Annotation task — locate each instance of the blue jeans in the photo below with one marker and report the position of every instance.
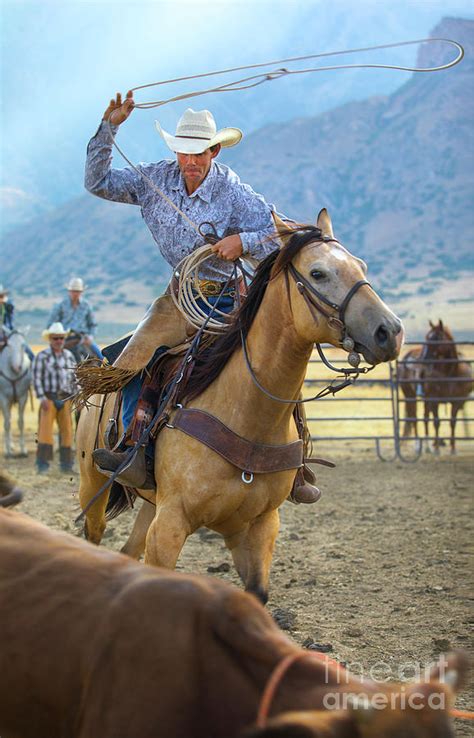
(131, 391)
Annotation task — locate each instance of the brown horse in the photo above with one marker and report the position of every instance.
(195, 485)
(438, 374)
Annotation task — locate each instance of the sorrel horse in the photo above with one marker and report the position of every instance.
(15, 379)
(195, 485)
(437, 372)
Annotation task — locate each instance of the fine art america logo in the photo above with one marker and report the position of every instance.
(382, 672)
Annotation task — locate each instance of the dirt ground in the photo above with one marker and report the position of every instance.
(377, 573)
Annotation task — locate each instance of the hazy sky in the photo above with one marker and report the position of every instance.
(62, 60)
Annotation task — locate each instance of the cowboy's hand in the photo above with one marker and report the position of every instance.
(229, 248)
(119, 111)
(86, 340)
(45, 404)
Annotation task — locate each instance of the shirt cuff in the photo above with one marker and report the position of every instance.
(252, 242)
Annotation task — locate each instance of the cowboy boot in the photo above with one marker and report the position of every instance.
(44, 454)
(137, 471)
(65, 459)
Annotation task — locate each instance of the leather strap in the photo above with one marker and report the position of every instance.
(258, 458)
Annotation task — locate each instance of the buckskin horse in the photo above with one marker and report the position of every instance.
(312, 290)
(438, 369)
(15, 379)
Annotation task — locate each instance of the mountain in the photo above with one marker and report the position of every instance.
(396, 173)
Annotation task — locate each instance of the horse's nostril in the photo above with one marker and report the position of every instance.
(381, 335)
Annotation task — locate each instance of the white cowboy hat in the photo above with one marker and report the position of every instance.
(197, 131)
(55, 329)
(76, 284)
(3, 290)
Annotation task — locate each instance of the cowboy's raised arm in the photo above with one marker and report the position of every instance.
(120, 185)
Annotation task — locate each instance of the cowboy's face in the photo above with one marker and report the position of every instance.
(3, 297)
(56, 343)
(195, 167)
(75, 295)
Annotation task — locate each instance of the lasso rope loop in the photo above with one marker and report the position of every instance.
(252, 81)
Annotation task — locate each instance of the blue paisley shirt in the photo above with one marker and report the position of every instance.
(222, 199)
(80, 319)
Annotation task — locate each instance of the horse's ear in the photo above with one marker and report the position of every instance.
(431, 324)
(441, 326)
(324, 223)
(284, 230)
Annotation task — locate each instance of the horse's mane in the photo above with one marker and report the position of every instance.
(210, 361)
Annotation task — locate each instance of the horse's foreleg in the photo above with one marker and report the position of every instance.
(135, 545)
(410, 418)
(166, 535)
(21, 425)
(454, 411)
(426, 419)
(436, 422)
(252, 552)
(6, 410)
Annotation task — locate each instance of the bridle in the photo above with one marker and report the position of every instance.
(313, 299)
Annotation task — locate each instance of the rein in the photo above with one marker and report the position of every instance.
(276, 677)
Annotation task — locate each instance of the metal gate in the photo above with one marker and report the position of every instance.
(372, 409)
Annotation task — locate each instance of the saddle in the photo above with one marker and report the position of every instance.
(248, 456)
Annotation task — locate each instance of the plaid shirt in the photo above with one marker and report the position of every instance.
(54, 373)
(222, 199)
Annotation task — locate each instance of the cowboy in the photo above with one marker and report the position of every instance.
(204, 192)
(54, 383)
(7, 310)
(77, 316)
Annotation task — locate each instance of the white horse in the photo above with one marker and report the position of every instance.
(15, 380)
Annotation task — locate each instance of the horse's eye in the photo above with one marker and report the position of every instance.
(317, 275)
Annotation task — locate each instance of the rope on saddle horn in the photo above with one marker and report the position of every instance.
(189, 293)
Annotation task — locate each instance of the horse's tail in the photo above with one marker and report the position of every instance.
(120, 499)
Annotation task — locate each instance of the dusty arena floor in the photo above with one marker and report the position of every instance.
(378, 573)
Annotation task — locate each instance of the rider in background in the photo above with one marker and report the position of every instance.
(7, 310)
(77, 317)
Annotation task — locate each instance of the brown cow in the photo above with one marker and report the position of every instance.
(95, 645)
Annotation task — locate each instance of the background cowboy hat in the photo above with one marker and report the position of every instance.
(76, 284)
(55, 329)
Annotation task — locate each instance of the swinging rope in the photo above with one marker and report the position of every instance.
(254, 80)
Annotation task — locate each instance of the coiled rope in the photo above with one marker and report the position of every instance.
(188, 294)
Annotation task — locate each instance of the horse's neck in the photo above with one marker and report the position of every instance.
(279, 360)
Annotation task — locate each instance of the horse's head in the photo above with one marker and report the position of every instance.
(15, 356)
(439, 343)
(332, 300)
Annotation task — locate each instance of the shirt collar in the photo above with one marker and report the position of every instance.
(205, 190)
